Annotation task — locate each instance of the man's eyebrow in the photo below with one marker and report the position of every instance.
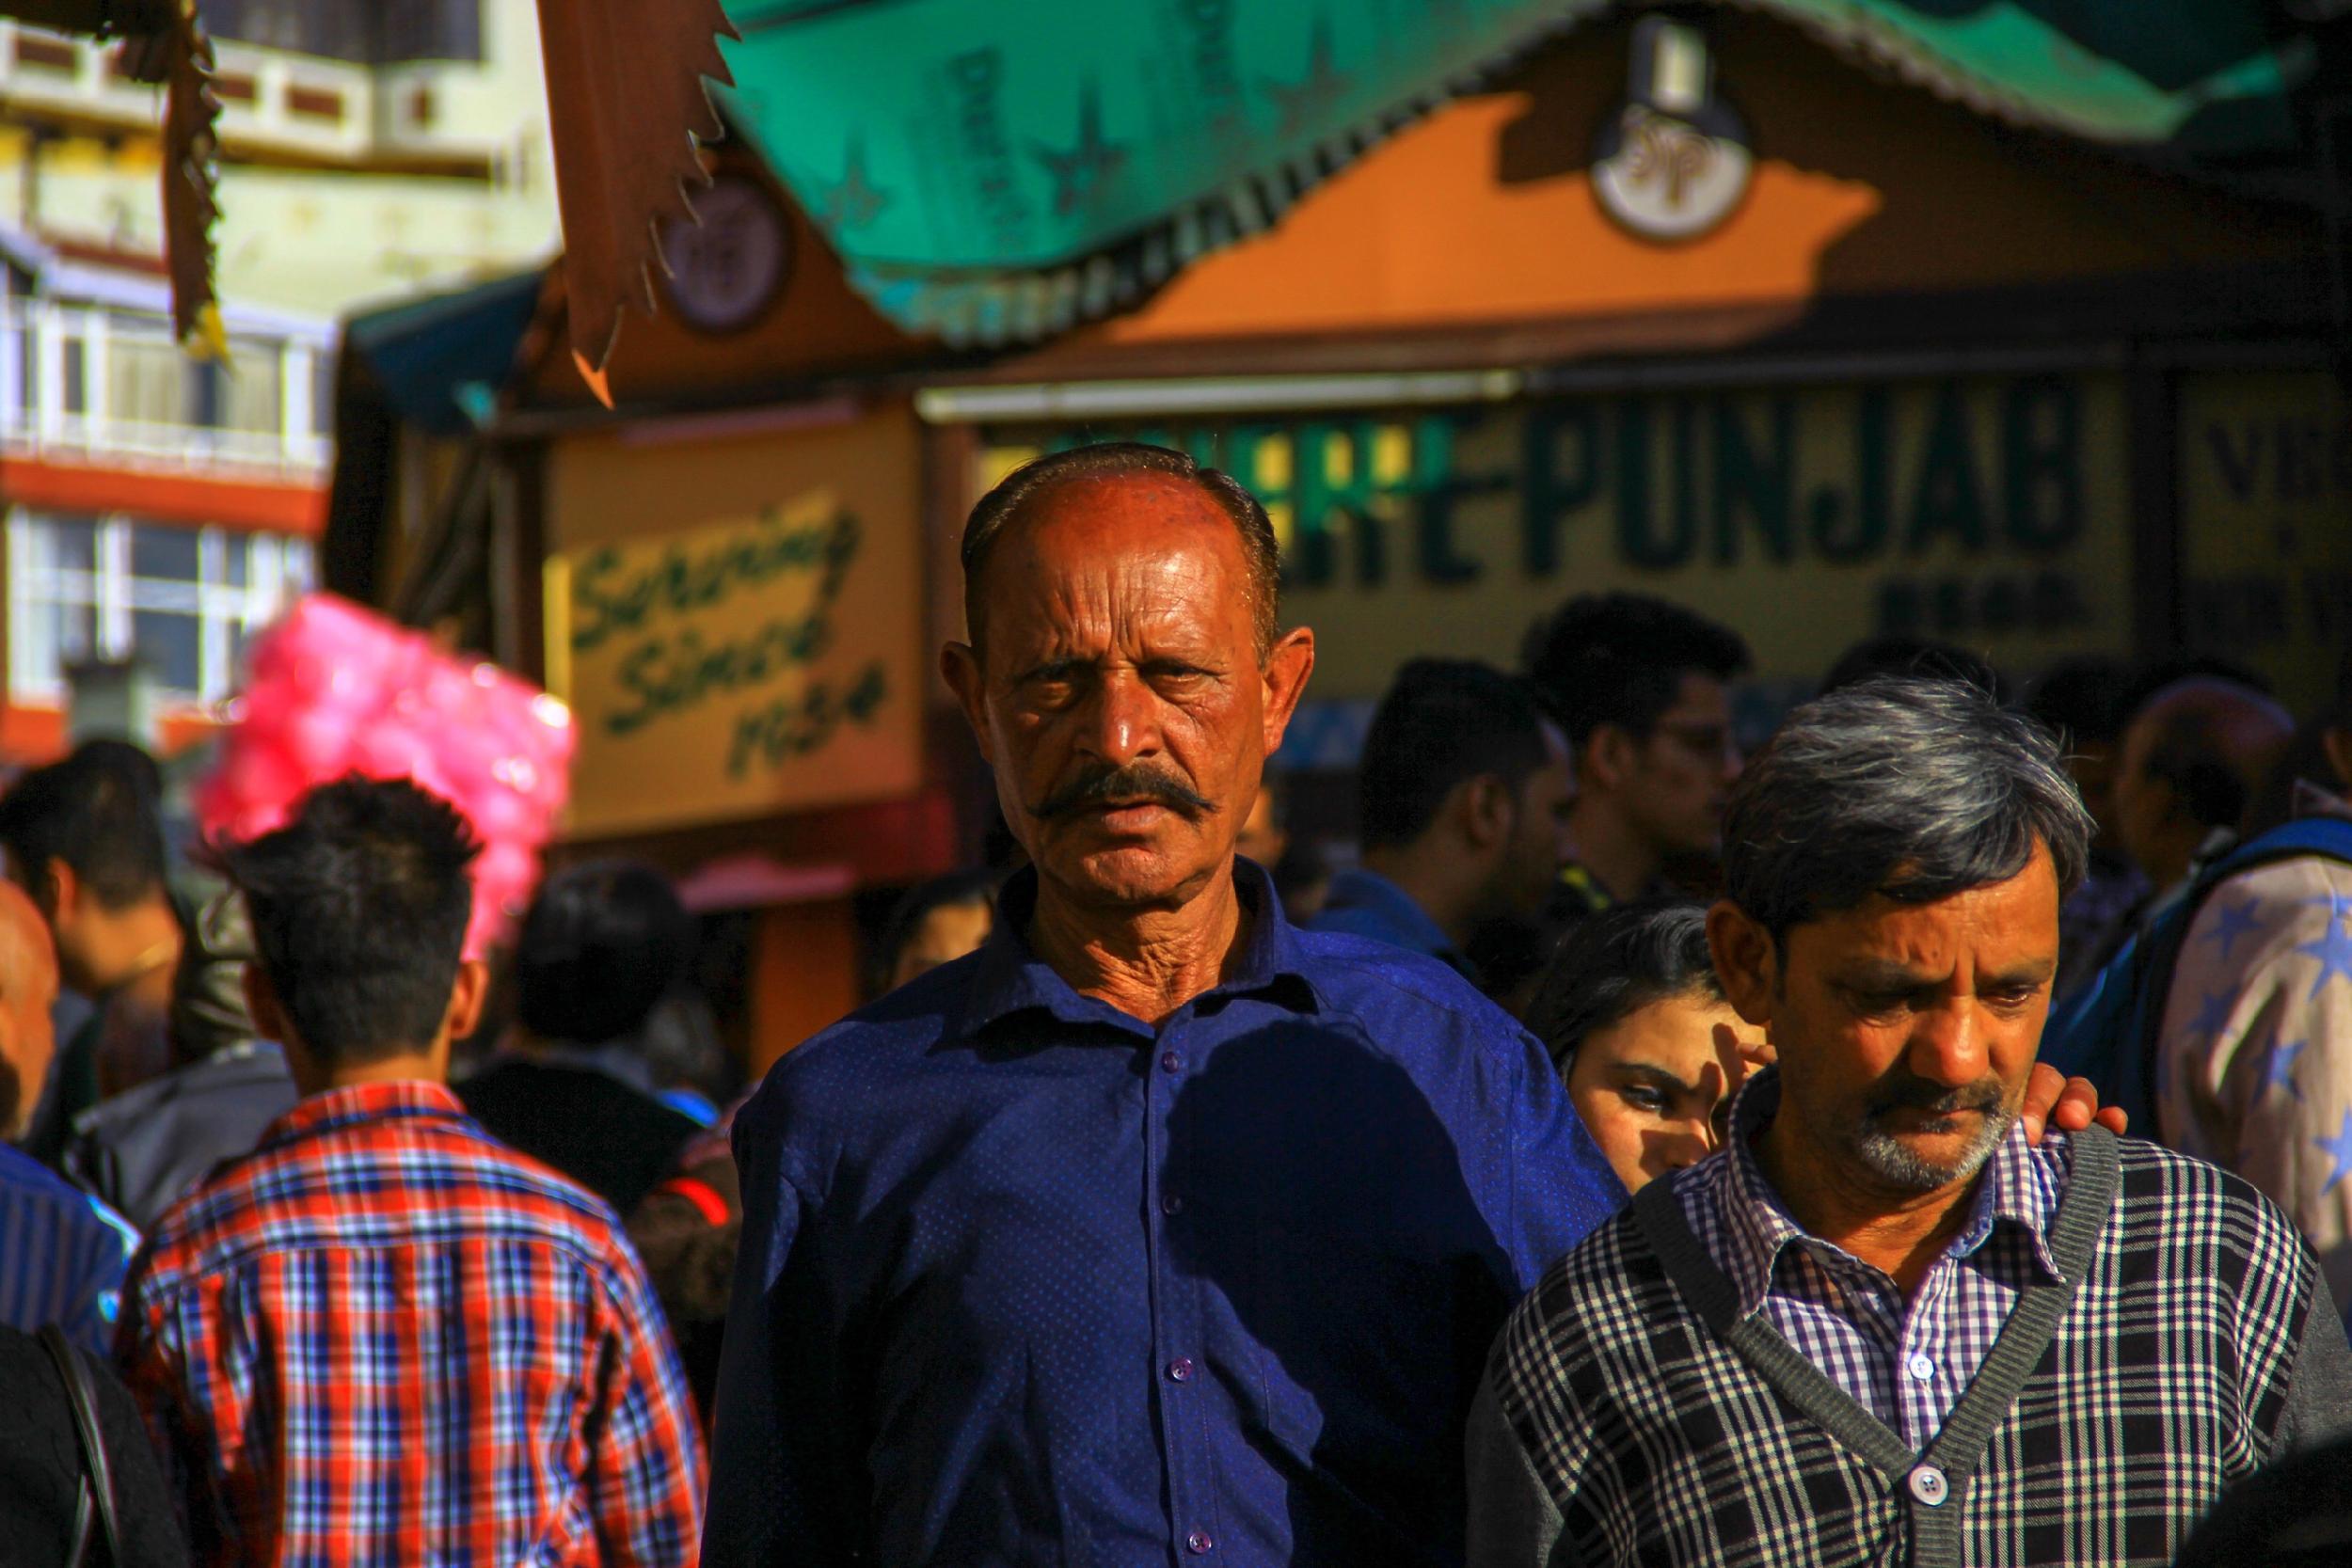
(2030, 972)
(1064, 665)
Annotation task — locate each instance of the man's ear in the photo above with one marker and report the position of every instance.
(2337, 742)
(1747, 960)
(1486, 810)
(1608, 758)
(960, 667)
(61, 889)
(1287, 665)
(467, 996)
(261, 1005)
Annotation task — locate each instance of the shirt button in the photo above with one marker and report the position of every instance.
(1171, 1204)
(1180, 1370)
(1171, 1062)
(1198, 1544)
(1929, 1485)
(1922, 1369)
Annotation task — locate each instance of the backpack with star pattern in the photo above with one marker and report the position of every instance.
(2108, 1032)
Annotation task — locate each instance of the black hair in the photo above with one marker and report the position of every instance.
(99, 811)
(1110, 459)
(359, 905)
(1619, 658)
(955, 889)
(1902, 653)
(2081, 699)
(1614, 963)
(1444, 720)
(602, 943)
(1910, 790)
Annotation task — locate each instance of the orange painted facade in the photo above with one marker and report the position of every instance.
(199, 500)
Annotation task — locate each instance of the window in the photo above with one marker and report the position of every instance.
(363, 32)
(186, 599)
(429, 30)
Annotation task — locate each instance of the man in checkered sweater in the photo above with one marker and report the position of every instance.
(1878, 1326)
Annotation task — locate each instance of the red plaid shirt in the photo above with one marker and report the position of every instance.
(384, 1339)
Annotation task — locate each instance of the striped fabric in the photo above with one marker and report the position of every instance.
(384, 1339)
(62, 1253)
(1905, 1362)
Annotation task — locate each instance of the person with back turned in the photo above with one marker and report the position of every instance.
(382, 1338)
(1881, 1324)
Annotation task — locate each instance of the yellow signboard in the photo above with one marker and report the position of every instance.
(2265, 502)
(765, 659)
(1988, 510)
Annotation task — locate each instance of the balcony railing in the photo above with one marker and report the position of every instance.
(48, 414)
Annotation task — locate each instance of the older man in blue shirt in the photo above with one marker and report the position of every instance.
(1158, 1230)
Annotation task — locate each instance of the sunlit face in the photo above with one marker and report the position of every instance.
(1684, 770)
(1905, 1031)
(1654, 1087)
(1118, 691)
(943, 935)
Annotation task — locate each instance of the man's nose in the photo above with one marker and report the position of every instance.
(1120, 724)
(1947, 1045)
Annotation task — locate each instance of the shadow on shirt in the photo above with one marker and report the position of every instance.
(1326, 1201)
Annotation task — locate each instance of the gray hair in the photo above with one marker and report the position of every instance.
(1908, 788)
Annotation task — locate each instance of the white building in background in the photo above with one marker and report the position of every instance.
(155, 505)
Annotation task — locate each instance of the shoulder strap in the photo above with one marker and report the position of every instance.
(97, 1478)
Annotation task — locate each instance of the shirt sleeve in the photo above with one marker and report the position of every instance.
(2255, 1068)
(646, 1467)
(1564, 1187)
(1514, 1521)
(784, 1484)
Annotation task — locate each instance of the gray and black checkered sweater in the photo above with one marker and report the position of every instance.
(1630, 1416)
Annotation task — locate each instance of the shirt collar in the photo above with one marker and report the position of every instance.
(1010, 977)
(2018, 1188)
(332, 1110)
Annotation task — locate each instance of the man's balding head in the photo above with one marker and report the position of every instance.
(1021, 493)
(28, 986)
(2192, 756)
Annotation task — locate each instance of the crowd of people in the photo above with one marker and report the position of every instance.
(1643, 1151)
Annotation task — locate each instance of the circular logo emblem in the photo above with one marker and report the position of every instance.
(1663, 178)
(728, 268)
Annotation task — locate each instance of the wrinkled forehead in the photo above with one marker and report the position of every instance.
(1132, 546)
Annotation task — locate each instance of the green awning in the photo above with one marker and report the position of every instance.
(995, 171)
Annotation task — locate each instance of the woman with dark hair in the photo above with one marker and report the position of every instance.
(1637, 1024)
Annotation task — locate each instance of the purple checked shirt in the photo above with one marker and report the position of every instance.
(1906, 1363)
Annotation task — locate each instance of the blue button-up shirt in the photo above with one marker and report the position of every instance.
(1362, 903)
(1027, 1280)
